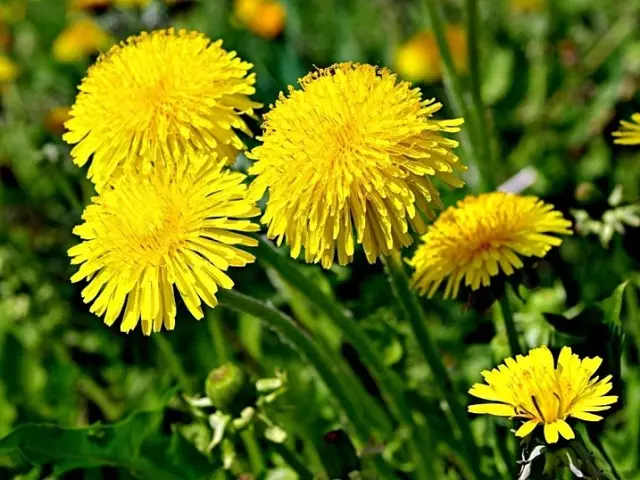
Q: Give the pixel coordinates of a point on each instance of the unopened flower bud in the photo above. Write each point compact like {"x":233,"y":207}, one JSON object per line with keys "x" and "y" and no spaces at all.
{"x":224,"y":385}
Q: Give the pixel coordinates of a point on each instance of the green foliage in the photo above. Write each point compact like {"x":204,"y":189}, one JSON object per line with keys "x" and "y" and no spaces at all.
{"x":134,"y":445}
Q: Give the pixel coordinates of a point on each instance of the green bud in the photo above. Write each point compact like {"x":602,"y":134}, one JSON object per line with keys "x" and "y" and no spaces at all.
{"x":224,"y":385}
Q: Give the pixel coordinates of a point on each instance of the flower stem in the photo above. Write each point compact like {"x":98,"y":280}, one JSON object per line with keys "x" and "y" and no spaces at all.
{"x":254,"y":452}
{"x":509,"y":324}
{"x":484,"y":139}
{"x":293,"y":461}
{"x":456,"y":92}
{"x":300,"y":340}
{"x":391,"y":386}
{"x":292,"y":334}
{"x":173,"y":363}
{"x":411,"y":306}
{"x":588,"y":465}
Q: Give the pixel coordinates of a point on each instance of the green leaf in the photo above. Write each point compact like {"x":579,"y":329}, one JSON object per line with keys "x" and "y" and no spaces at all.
{"x":136,"y":444}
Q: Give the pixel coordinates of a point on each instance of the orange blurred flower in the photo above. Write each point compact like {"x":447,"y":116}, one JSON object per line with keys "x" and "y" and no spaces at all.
{"x":418,"y":59}
{"x":79,"y":40}
{"x":55,"y":119}
{"x":263,"y":17}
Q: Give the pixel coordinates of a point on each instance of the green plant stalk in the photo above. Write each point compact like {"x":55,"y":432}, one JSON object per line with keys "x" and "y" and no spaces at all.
{"x":456,"y":91}
{"x":254,"y":452}
{"x":390,"y":385}
{"x":509,"y":324}
{"x":292,"y":459}
{"x":292,"y":334}
{"x":588,"y":462}
{"x":217,"y":336}
{"x":306,"y":317}
{"x":473,"y":43}
{"x":411,"y":306}
{"x":173,"y":363}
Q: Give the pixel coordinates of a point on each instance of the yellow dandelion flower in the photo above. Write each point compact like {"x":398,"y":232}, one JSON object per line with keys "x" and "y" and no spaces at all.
{"x":8,"y":70}
{"x":354,"y":148}
{"x":263,"y":17}
{"x":481,"y":236}
{"x":79,"y":40}
{"x":418,"y":60}
{"x":157,"y":99}
{"x":144,"y":235}
{"x":532,"y":388}
{"x":55,"y":119}
{"x":629,"y":133}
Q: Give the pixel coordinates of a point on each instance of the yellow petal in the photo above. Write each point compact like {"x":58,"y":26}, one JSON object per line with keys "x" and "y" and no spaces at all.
{"x":526,"y":428}
{"x":551,"y":432}
{"x":587,"y":417}
{"x":498,"y":409}
{"x":565,"y":430}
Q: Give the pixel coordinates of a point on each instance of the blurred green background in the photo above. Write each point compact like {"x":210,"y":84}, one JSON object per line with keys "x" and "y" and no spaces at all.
{"x":558,"y":75}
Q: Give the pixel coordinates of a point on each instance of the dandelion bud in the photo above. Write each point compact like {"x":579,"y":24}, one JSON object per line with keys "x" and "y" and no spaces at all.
{"x":224,"y":385}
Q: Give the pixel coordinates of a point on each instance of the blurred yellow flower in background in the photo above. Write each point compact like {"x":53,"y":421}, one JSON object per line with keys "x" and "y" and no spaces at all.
{"x":263,"y":17}
{"x":8,"y":70}
{"x":482,"y":235}
{"x":418,"y":60}
{"x":528,"y":5}
{"x":56,"y":118}
{"x":629,"y":133}
{"x":79,"y":40}
{"x":533,"y":388}
{"x":144,"y":236}
{"x":157,"y":100}
{"x":354,"y":148}
{"x":131,"y":3}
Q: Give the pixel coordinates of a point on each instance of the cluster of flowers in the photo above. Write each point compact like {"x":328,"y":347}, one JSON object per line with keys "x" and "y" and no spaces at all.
{"x":348,"y":159}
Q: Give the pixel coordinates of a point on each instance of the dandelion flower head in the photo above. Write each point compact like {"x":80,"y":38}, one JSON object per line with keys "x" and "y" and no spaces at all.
{"x":349,"y":158}
{"x":143,"y":236}
{"x":482,"y":235}
{"x":157,"y":99}
{"x":629,"y":133}
{"x":536,"y":390}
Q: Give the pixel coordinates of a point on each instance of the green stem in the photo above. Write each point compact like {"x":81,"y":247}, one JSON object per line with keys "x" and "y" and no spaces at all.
{"x":391,"y":386}
{"x":509,"y":324}
{"x":588,"y":465}
{"x":484,"y":138}
{"x":173,"y":363}
{"x":294,"y":462}
{"x":411,"y":306}
{"x":455,"y":90}
{"x":299,"y":340}
{"x":217,"y":336}
{"x":254,"y":452}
